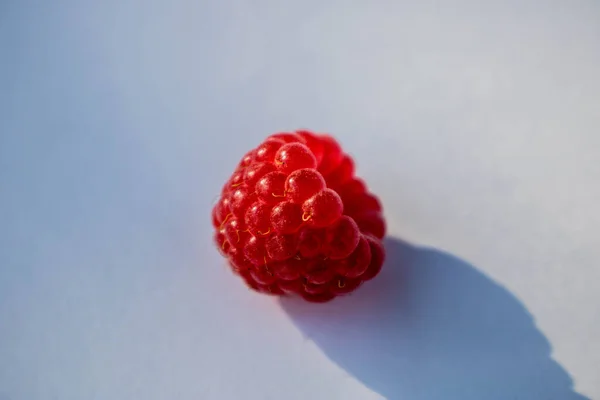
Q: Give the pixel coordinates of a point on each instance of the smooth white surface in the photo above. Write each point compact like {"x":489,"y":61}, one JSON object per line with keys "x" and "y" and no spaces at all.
{"x":477,"y":124}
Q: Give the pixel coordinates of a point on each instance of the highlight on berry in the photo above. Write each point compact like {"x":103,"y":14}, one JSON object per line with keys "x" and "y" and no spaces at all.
{"x":294,"y":219}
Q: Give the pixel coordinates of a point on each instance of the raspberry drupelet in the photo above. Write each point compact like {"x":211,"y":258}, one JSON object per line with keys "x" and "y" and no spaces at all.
{"x":293,"y":219}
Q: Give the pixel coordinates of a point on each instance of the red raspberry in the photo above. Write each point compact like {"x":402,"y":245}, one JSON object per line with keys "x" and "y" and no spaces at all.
{"x":293,"y":219}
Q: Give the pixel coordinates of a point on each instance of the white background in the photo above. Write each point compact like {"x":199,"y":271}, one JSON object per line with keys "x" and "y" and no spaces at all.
{"x":476,"y":123}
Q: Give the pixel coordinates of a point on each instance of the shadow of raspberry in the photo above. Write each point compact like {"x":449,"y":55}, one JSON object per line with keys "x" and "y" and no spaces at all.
{"x":432,"y":327}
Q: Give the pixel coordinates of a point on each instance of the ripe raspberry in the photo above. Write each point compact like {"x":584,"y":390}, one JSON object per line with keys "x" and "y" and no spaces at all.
{"x":293,"y":219}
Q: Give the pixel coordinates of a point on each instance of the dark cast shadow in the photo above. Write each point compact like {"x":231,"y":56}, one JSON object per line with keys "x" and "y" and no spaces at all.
{"x":432,"y":327}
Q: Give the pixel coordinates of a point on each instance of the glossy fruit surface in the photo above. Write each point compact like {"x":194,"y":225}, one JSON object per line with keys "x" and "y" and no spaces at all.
{"x":293,"y":219}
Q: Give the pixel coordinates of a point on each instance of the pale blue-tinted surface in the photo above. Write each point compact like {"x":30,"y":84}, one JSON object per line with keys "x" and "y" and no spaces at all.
{"x":477,"y":125}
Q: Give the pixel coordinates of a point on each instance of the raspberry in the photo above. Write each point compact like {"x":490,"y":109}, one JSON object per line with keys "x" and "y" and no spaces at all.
{"x":288,"y":137}
{"x":234,"y":232}
{"x":342,"y":237}
{"x":332,"y":155}
{"x":311,"y":242}
{"x":255,"y":251}
{"x":281,"y":247}
{"x":286,"y":217}
{"x":323,"y":209}
{"x":256,"y":171}
{"x":258,"y":219}
{"x":293,"y":219}
{"x":314,"y":143}
{"x":271,"y":187}
{"x":266,"y":151}
{"x":356,"y":263}
{"x":318,"y":273}
{"x":288,"y":270}
{"x":293,"y":156}
{"x":342,"y":173}
{"x":240,"y":199}
{"x":302,"y":184}
{"x":247,"y":159}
